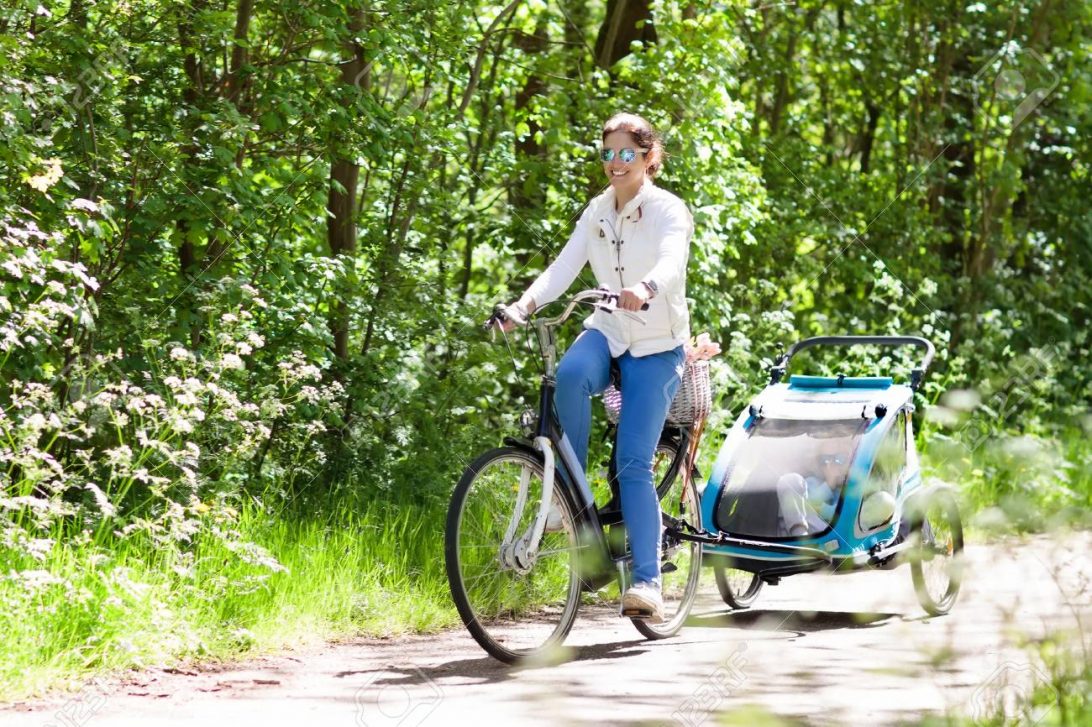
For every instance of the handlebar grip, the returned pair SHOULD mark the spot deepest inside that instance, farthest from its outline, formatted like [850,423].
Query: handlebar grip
[615,297]
[497,315]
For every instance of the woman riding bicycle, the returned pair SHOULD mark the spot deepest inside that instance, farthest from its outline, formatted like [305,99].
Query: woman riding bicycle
[636,237]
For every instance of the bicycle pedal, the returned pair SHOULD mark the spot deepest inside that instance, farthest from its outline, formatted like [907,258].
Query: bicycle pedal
[668,568]
[641,613]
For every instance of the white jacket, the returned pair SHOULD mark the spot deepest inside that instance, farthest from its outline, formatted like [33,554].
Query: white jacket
[648,240]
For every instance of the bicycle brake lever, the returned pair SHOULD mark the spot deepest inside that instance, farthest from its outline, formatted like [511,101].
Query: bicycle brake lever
[498,316]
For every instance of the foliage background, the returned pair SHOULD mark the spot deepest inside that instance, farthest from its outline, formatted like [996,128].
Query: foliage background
[247,247]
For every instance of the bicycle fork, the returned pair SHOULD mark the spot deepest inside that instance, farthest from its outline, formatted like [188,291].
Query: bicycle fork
[519,553]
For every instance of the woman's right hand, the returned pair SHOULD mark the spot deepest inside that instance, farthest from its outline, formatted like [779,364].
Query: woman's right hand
[515,314]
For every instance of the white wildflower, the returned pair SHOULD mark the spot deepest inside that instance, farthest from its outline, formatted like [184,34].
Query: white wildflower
[181,425]
[48,177]
[39,548]
[186,398]
[120,456]
[85,205]
[105,506]
[232,361]
[36,579]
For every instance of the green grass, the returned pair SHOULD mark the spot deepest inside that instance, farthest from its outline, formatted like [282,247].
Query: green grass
[376,572]
[1018,483]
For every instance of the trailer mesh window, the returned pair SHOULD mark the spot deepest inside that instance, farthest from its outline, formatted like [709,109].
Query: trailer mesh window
[787,479]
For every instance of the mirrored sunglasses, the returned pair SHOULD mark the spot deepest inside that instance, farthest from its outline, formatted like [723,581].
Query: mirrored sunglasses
[627,155]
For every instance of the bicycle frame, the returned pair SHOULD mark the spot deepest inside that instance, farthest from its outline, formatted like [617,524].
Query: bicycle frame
[551,444]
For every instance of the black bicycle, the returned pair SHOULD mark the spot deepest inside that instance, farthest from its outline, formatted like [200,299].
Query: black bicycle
[525,537]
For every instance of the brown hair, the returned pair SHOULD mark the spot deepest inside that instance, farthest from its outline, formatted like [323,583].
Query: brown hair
[642,134]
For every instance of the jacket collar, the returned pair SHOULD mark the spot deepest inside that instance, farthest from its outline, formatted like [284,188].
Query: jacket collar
[631,206]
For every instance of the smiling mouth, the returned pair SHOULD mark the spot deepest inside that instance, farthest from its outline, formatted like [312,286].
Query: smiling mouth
[619,174]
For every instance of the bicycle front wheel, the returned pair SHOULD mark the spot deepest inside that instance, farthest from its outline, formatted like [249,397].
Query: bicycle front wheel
[517,598]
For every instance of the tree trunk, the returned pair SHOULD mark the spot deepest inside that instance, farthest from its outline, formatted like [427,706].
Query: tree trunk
[868,137]
[240,50]
[192,95]
[527,189]
[344,174]
[781,96]
[957,193]
[620,28]
[218,244]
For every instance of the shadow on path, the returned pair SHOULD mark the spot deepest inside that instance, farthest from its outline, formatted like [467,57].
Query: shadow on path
[487,670]
[799,621]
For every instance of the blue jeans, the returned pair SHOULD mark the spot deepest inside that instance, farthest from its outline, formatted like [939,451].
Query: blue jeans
[649,384]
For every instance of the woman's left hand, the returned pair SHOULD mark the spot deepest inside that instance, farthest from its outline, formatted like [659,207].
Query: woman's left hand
[633,298]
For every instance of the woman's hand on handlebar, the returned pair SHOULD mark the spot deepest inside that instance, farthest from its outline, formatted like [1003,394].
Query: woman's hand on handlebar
[633,298]
[507,317]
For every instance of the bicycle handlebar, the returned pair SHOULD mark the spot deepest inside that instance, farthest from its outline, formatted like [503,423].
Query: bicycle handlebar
[601,298]
[604,300]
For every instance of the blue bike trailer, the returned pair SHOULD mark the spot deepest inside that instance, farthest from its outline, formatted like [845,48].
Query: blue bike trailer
[817,472]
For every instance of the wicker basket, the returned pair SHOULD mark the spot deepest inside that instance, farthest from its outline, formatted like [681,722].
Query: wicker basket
[693,400]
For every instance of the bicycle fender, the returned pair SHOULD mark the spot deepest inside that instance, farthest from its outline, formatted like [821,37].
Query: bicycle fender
[523,444]
[916,502]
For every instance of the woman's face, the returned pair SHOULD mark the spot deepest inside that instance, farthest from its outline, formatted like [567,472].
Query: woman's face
[624,176]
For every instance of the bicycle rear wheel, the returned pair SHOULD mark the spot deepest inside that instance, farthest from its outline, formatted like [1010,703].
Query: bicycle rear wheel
[680,559]
[516,605]
[936,559]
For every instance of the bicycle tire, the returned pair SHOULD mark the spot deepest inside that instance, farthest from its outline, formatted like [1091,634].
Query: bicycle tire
[515,616]
[924,531]
[732,594]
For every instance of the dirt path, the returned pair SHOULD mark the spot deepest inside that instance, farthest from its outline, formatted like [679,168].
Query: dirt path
[852,649]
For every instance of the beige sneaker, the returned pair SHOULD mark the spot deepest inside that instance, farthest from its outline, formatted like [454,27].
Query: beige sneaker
[643,601]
